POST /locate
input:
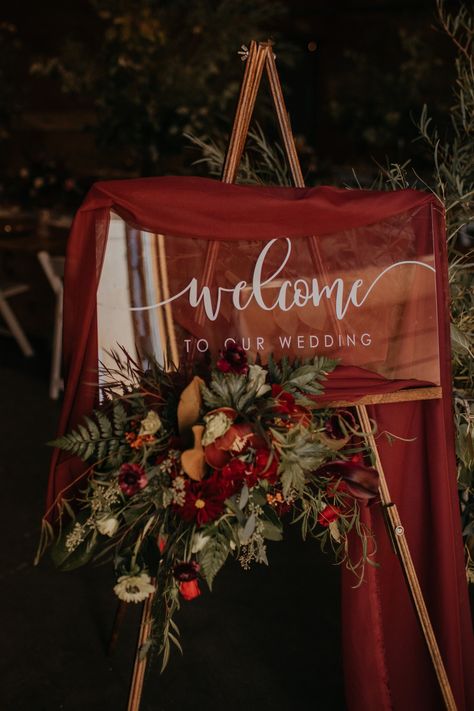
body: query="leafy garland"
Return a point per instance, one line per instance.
(185, 471)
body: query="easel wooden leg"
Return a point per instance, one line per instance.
(139, 667)
(397, 534)
(118, 619)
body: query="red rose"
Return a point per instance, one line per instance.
(328, 515)
(189, 590)
(233, 476)
(266, 465)
(233, 360)
(132, 478)
(236, 440)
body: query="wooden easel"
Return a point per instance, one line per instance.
(260, 56)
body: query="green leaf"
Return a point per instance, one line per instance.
(272, 532)
(259, 497)
(246, 531)
(213, 556)
(460, 342)
(243, 497)
(292, 478)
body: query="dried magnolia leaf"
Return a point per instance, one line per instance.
(190, 404)
(334, 531)
(192, 460)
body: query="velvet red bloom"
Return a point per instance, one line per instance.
(328, 515)
(204, 500)
(238, 438)
(266, 465)
(233, 476)
(132, 478)
(186, 571)
(233, 360)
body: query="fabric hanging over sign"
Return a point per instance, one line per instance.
(387, 665)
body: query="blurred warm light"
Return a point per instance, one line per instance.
(312, 46)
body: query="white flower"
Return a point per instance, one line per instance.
(216, 425)
(257, 376)
(178, 493)
(107, 526)
(199, 541)
(150, 424)
(134, 588)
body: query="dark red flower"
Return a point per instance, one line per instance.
(204, 500)
(132, 478)
(266, 465)
(285, 400)
(236, 440)
(184, 572)
(233, 360)
(328, 515)
(287, 408)
(233, 476)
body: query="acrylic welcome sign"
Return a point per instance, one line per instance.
(365, 295)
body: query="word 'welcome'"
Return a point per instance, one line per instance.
(290, 294)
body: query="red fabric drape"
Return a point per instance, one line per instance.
(386, 663)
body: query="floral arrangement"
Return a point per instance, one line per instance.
(185, 471)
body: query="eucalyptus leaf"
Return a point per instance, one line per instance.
(248, 529)
(272, 532)
(244, 497)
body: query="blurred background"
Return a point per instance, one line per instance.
(103, 89)
(108, 89)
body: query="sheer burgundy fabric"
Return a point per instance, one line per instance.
(386, 663)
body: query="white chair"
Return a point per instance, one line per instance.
(54, 269)
(11, 320)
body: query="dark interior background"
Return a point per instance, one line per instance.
(356, 75)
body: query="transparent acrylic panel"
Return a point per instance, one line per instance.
(366, 296)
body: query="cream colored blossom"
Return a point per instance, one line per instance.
(257, 376)
(150, 424)
(217, 425)
(75, 537)
(134, 588)
(199, 541)
(108, 526)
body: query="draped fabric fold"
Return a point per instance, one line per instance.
(379, 626)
